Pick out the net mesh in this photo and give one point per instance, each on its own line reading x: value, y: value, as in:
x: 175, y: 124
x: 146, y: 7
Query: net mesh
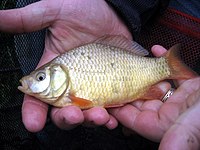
x: 18, y: 57
x: 172, y: 28
x: 13, y: 135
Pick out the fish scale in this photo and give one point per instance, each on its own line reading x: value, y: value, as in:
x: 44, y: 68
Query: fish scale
x: 119, y: 72
x: 108, y: 72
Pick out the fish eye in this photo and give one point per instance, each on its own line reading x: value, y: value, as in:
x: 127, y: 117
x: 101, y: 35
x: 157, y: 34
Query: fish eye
x: 40, y: 76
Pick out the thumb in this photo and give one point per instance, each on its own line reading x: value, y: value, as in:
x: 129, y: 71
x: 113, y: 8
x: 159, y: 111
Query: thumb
x: 28, y: 19
x: 158, y: 50
x: 34, y: 113
x: 177, y: 137
x: 184, y: 134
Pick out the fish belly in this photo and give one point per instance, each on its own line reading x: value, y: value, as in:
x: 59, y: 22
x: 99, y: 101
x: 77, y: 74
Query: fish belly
x: 106, y: 75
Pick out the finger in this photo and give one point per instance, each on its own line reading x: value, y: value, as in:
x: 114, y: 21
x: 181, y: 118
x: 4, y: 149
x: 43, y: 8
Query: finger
x: 68, y: 117
x: 96, y: 116
x: 178, y: 137
x: 184, y: 133
x: 134, y: 119
x: 34, y: 114
x: 138, y: 104
x: 181, y: 81
x: 27, y: 19
x: 126, y: 115
x: 186, y: 89
x: 153, y: 105
x: 143, y: 105
x: 158, y: 50
x: 112, y: 123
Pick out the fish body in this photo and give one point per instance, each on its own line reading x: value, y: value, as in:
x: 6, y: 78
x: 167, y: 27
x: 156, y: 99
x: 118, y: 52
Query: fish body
x: 108, y: 72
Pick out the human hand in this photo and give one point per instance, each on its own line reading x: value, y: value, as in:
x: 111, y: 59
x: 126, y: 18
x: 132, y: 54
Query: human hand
x: 184, y: 134
x: 70, y: 23
x: 153, y: 118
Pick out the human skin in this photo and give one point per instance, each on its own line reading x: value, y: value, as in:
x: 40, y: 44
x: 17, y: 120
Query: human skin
x: 71, y: 23
x: 175, y: 123
x: 184, y: 134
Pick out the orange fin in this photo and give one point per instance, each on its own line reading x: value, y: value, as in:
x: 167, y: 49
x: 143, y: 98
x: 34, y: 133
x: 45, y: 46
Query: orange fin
x: 122, y: 42
x: 80, y: 102
x: 113, y: 106
x: 179, y: 70
x: 156, y: 91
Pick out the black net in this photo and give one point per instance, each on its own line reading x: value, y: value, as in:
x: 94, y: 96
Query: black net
x: 29, y: 47
x: 20, y: 54
x: 13, y: 135
x: 172, y: 28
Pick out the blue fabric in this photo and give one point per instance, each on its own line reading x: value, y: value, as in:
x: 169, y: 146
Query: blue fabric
x: 190, y: 7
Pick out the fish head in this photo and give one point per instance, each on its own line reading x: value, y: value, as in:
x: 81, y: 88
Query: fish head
x: 46, y: 83
x: 36, y: 82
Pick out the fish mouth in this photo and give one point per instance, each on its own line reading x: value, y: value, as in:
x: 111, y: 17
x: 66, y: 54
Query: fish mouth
x: 24, y: 86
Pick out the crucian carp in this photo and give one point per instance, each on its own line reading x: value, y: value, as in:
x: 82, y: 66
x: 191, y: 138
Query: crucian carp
x: 108, y: 72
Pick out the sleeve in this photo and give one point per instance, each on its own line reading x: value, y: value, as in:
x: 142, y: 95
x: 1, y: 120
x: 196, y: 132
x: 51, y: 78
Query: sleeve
x: 137, y: 13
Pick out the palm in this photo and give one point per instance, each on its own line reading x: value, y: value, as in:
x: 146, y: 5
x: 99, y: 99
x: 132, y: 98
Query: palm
x: 153, y: 118
x: 76, y: 23
x: 70, y: 23
x: 184, y: 133
x: 150, y: 119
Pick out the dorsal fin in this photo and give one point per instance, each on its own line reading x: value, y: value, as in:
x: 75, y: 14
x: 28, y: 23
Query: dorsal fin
x: 122, y: 42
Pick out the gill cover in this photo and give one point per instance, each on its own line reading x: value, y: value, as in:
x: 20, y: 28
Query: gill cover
x: 59, y: 81
x: 48, y: 83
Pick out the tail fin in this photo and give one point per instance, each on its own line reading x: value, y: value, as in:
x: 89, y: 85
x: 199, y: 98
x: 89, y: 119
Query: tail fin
x: 179, y: 70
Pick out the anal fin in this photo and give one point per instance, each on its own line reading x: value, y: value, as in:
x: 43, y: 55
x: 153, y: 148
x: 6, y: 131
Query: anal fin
x: 156, y: 91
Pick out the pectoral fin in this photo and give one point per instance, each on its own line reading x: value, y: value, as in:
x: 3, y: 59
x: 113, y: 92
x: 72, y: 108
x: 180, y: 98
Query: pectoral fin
x: 80, y: 102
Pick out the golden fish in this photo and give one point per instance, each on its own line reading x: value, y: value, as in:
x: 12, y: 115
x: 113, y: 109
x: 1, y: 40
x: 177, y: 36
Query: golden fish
x: 108, y: 72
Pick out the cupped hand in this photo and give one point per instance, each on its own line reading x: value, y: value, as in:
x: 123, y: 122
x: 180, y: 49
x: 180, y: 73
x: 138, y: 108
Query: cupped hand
x: 70, y: 23
x: 153, y: 118
x: 184, y: 134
